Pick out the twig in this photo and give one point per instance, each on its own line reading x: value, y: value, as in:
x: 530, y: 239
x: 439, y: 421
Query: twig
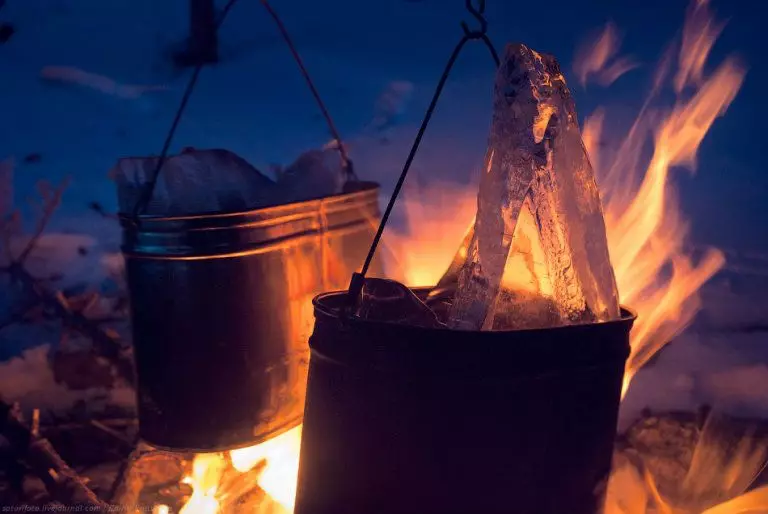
x: 99, y: 209
x: 54, y: 426
x: 126, y: 441
x: 35, y: 429
x: 126, y: 488
x: 106, y: 344
x: 61, y: 481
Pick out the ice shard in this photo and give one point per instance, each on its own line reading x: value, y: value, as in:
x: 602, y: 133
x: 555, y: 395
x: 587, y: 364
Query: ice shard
x: 535, y: 153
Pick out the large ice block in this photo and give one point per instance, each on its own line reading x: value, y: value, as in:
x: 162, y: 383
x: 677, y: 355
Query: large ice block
x: 193, y: 182
x: 535, y: 152
x: 315, y: 174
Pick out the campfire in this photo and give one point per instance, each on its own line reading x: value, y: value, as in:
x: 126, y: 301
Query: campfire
x: 646, y: 236
x: 664, y: 463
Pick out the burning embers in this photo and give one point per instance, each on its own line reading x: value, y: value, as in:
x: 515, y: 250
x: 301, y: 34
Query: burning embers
x: 221, y: 482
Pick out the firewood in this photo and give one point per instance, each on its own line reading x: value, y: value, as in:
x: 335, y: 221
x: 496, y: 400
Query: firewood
x: 145, y: 467
x: 61, y: 481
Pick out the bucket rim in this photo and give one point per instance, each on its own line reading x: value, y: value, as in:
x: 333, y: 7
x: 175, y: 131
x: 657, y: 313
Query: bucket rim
x: 628, y: 317
x: 362, y: 188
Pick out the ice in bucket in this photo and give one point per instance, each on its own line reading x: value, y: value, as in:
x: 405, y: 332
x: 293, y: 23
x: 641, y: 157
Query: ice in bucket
x: 536, y: 167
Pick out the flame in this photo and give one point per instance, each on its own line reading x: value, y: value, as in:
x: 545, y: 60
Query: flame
x: 724, y: 465
x: 646, y: 230
x: 281, y: 457
x: 597, y: 59
x: 646, y: 235
x: 437, y: 219
x: 276, y: 462
x: 207, y: 470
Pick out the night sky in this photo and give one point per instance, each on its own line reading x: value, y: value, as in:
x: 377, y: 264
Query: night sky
x: 256, y: 104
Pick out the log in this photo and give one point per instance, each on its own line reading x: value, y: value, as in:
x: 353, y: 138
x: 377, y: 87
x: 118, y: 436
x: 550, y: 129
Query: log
x: 62, y: 482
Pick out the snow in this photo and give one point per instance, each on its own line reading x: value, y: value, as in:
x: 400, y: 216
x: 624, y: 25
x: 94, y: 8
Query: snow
x: 725, y: 371
x: 29, y: 380
x: 85, y: 82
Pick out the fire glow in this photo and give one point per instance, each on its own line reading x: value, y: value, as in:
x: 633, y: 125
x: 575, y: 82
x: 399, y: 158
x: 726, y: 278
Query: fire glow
x: 646, y: 236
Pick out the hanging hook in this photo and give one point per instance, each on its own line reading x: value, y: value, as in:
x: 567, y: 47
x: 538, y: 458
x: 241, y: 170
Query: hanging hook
x: 477, y: 13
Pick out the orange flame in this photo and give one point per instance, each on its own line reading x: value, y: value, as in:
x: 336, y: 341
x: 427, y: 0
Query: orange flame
x: 646, y: 232
x: 207, y: 470
x: 597, y: 60
x: 275, y: 460
x: 645, y: 228
x: 281, y: 458
x: 724, y: 465
x: 437, y: 218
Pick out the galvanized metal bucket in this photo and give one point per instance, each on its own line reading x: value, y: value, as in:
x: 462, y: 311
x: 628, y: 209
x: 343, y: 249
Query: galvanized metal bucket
x: 404, y: 420
x: 221, y: 311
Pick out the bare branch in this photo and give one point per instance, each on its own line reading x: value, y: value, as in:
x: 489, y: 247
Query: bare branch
x: 123, y: 439
x: 106, y: 343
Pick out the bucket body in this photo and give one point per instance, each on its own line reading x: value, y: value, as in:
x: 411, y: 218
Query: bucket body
x: 221, y: 312
x: 401, y: 419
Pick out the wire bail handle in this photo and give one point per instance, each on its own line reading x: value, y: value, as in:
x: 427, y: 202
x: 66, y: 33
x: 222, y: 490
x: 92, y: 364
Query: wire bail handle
x: 149, y: 188
x: 358, y: 279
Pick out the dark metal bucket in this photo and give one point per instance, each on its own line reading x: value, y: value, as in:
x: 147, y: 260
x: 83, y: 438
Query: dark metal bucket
x: 221, y: 312
x: 401, y: 419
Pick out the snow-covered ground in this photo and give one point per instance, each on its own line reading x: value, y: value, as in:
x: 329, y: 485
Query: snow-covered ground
x: 83, y: 82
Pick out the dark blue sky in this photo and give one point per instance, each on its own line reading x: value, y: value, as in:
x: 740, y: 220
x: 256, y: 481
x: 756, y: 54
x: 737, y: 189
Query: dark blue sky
x: 725, y: 197
x: 256, y: 103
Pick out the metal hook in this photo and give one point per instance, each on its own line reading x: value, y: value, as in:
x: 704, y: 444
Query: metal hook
x: 477, y: 13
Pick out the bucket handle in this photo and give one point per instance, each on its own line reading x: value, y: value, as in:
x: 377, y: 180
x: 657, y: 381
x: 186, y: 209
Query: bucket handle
x: 149, y: 188
x: 358, y: 279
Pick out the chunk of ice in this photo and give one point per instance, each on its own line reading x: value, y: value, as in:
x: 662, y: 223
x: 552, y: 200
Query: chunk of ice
x: 194, y: 182
x: 315, y: 174
x: 535, y: 152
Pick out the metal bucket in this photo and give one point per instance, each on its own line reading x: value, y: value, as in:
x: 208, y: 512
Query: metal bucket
x: 401, y: 419
x: 221, y: 311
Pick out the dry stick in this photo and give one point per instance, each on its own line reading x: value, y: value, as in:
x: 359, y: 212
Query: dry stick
x: 61, y: 481
x: 126, y: 487
x: 121, y: 438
